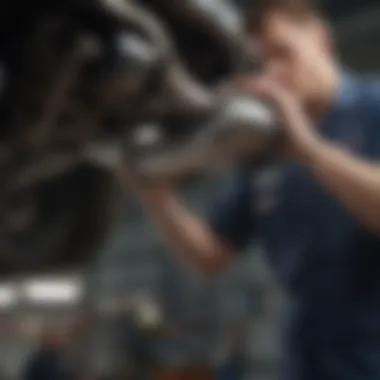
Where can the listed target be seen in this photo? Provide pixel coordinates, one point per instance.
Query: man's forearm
(187, 235)
(352, 180)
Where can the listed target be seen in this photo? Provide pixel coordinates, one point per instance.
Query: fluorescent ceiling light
(8, 296)
(53, 291)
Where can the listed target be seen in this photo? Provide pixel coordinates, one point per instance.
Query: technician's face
(295, 53)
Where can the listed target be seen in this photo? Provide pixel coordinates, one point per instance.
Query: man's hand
(149, 193)
(300, 136)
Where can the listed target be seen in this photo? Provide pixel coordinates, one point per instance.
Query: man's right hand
(150, 193)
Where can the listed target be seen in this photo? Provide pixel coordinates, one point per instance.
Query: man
(47, 362)
(317, 212)
(137, 346)
(233, 363)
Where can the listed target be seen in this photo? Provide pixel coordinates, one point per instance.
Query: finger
(254, 84)
(266, 90)
(247, 83)
(273, 92)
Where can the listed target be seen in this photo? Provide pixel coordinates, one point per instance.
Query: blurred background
(133, 312)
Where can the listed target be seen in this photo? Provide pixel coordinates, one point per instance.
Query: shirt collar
(347, 91)
(344, 98)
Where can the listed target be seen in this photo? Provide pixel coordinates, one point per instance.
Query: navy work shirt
(327, 260)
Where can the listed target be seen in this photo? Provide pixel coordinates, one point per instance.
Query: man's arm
(354, 181)
(206, 246)
(187, 235)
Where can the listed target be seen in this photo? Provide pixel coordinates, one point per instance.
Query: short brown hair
(299, 10)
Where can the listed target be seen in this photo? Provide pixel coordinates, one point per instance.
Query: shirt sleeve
(372, 110)
(231, 216)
